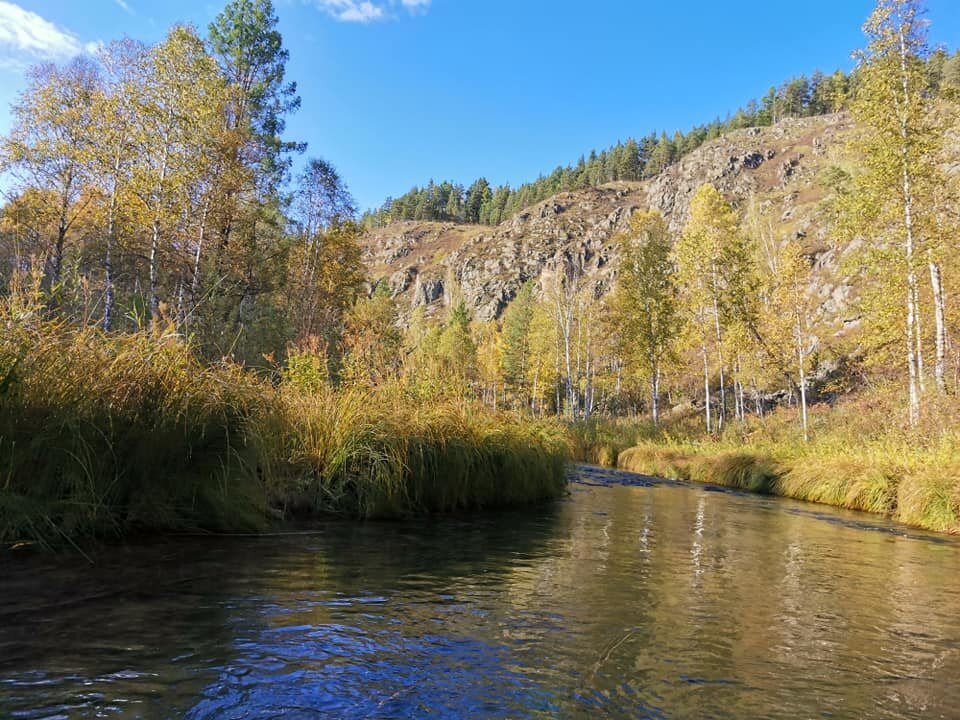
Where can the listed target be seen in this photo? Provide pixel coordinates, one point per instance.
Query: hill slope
(778, 170)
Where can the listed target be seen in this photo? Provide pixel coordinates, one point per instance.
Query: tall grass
(600, 440)
(112, 435)
(742, 470)
(379, 453)
(108, 435)
(913, 479)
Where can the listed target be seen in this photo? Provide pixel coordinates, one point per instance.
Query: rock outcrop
(778, 171)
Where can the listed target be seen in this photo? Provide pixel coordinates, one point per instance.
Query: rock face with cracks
(779, 172)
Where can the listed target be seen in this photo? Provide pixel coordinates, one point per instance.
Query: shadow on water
(208, 627)
(633, 597)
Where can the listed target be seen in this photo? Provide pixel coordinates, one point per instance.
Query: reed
(914, 483)
(112, 435)
(378, 453)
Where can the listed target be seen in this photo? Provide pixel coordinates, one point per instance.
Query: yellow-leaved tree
(716, 277)
(644, 305)
(892, 205)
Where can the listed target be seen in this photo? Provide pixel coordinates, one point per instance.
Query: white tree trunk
(939, 311)
(909, 244)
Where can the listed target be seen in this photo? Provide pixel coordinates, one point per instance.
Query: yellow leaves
(711, 224)
(643, 308)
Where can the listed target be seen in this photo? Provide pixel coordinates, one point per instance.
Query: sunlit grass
(380, 453)
(861, 459)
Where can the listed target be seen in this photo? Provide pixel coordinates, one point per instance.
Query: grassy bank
(104, 436)
(860, 458)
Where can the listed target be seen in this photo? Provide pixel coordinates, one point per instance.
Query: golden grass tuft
(848, 481)
(107, 435)
(377, 453)
(907, 481)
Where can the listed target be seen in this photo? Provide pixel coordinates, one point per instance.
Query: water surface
(630, 598)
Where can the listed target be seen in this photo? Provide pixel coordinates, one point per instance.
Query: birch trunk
(155, 239)
(939, 312)
(909, 245)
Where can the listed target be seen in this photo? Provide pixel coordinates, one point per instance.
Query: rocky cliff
(779, 171)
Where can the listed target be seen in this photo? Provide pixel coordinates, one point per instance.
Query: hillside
(780, 170)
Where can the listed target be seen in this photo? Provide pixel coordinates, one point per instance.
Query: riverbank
(858, 458)
(484, 616)
(105, 436)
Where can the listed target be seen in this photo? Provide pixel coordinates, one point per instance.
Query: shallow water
(630, 598)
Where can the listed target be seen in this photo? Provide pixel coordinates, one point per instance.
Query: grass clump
(856, 482)
(859, 460)
(600, 440)
(928, 494)
(741, 470)
(111, 435)
(650, 459)
(124, 434)
(377, 453)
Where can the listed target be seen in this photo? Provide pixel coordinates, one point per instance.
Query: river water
(630, 598)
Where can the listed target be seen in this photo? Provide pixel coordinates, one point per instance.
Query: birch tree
(179, 102)
(899, 145)
(644, 304)
(48, 147)
(788, 319)
(701, 271)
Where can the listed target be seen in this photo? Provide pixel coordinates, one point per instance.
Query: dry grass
(914, 485)
(108, 435)
(381, 454)
(862, 457)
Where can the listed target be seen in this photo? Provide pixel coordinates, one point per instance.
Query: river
(630, 598)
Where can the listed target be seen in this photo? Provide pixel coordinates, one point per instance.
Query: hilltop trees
(632, 160)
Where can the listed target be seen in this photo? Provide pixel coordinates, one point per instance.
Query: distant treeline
(635, 159)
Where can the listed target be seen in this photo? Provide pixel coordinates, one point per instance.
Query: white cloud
(27, 32)
(365, 11)
(27, 38)
(125, 5)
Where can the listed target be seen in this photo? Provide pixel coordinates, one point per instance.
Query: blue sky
(396, 92)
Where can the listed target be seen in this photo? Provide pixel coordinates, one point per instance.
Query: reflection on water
(630, 600)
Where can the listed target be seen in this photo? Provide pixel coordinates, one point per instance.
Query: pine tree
(456, 350)
(477, 195)
(253, 161)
